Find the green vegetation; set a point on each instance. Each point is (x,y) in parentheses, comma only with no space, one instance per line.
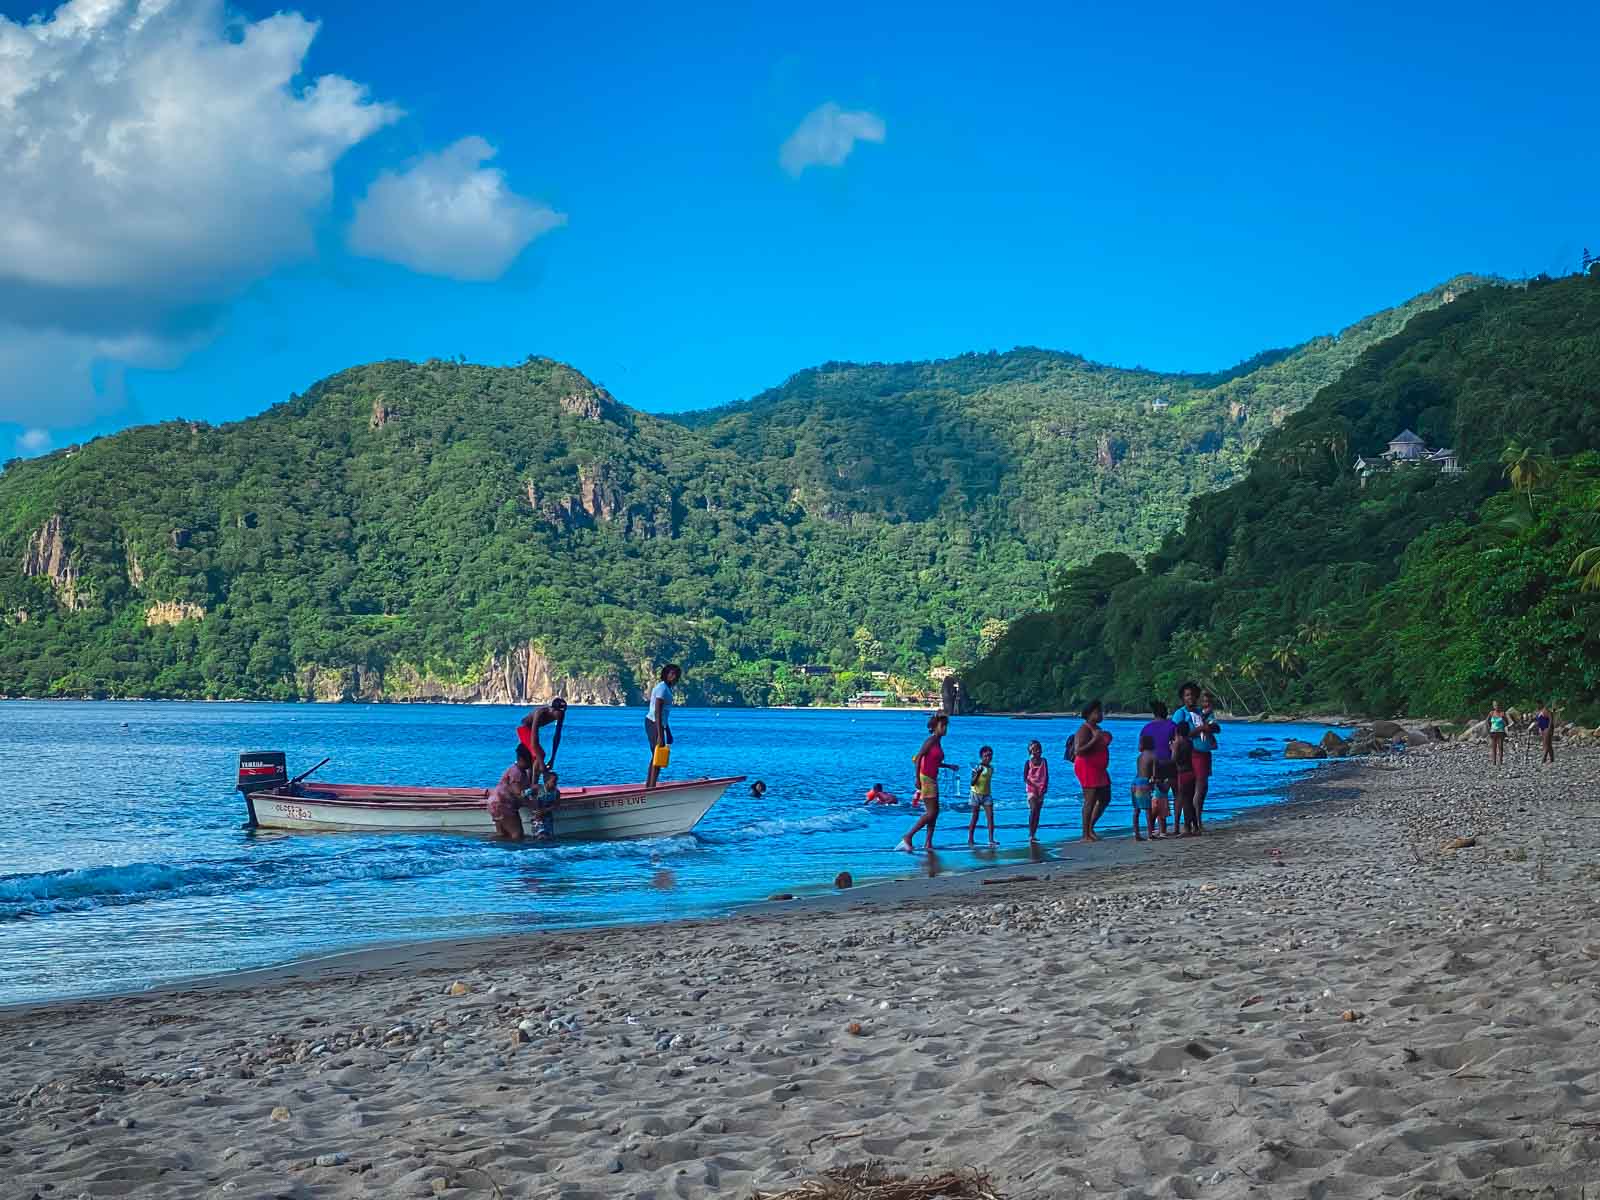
(411,530)
(1420,592)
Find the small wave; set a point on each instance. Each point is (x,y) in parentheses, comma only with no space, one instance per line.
(80,888)
(833,821)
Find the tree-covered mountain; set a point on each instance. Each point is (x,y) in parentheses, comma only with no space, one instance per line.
(1312,582)
(454,531)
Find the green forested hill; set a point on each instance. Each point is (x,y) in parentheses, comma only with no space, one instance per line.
(1417,592)
(445,530)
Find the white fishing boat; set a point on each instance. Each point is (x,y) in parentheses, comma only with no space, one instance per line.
(627,810)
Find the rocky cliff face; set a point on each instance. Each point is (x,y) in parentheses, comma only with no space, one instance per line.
(47,555)
(171,612)
(521,676)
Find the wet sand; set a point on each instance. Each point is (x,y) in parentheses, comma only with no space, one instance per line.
(1320,1000)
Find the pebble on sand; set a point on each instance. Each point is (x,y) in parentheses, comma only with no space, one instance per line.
(842,880)
(458,989)
(280,1113)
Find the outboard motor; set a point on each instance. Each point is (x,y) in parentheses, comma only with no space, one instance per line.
(258,771)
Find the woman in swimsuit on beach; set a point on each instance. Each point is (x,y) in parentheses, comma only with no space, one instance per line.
(1091,755)
(1497,735)
(927,764)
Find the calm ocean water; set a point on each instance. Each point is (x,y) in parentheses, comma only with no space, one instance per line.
(123,863)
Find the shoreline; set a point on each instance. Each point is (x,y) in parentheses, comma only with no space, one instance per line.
(1375,986)
(1069,858)
(1338,722)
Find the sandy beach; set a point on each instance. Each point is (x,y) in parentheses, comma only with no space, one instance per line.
(1323,1000)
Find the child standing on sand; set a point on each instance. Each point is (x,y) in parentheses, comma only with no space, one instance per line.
(1183,760)
(1036,779)
(982,779)
(1144,770)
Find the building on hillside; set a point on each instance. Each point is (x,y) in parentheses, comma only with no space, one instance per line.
(813,671)
(1406,446)
(1406,449)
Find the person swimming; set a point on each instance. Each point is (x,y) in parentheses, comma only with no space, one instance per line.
(876,795)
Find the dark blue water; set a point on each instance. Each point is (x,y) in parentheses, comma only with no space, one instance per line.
(123,863)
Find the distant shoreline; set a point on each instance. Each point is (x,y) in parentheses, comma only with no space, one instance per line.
(1333,721)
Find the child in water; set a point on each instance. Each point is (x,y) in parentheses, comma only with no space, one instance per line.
(544,804)
(982,778)
(1144,770)
(1036,779)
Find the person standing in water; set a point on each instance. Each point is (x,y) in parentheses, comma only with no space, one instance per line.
(657,728)
(1497,735)
(509,794)
(1091,755)
(927,764)
(982,797)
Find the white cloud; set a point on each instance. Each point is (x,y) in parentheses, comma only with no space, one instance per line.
(447,214)
(33,441)
(827,136)
(156,156)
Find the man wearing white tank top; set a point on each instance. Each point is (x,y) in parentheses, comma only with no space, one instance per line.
(657,727)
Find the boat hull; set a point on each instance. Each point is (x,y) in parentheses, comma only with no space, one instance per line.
(584,814)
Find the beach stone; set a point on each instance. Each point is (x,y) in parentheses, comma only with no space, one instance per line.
(1333,745)
(843,880)
(440,1186)
(1295,748)
(854,1029)
(781,896)
(280,1113)
(458,989)
(127,1122)
(332,1160)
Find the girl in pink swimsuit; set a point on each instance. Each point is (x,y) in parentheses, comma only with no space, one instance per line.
(928,762)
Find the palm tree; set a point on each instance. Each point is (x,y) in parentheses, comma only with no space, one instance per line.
(1250,668)
(1286,658)
(1220,672)
(1587,565)
(1525,466)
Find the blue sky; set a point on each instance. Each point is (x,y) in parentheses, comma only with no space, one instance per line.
(1159,185)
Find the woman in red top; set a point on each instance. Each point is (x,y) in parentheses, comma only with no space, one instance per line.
(928,763)
(1091,754)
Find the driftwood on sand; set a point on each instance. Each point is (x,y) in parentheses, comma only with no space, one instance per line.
(872,1181)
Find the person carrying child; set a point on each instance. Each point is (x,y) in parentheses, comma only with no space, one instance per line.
(1036,781)
(982,799)
(1198,713)
(1144,769)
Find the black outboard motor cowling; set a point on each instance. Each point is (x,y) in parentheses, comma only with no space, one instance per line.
(258,771)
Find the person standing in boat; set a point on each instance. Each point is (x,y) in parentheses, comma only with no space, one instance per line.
(554,713)
(513,790)
(657,728)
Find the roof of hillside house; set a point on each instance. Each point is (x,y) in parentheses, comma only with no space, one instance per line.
(1405,438)
(1443,453)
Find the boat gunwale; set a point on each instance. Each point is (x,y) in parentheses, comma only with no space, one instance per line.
(444,799)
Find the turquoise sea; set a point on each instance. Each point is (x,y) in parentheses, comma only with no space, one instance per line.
(123,863)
